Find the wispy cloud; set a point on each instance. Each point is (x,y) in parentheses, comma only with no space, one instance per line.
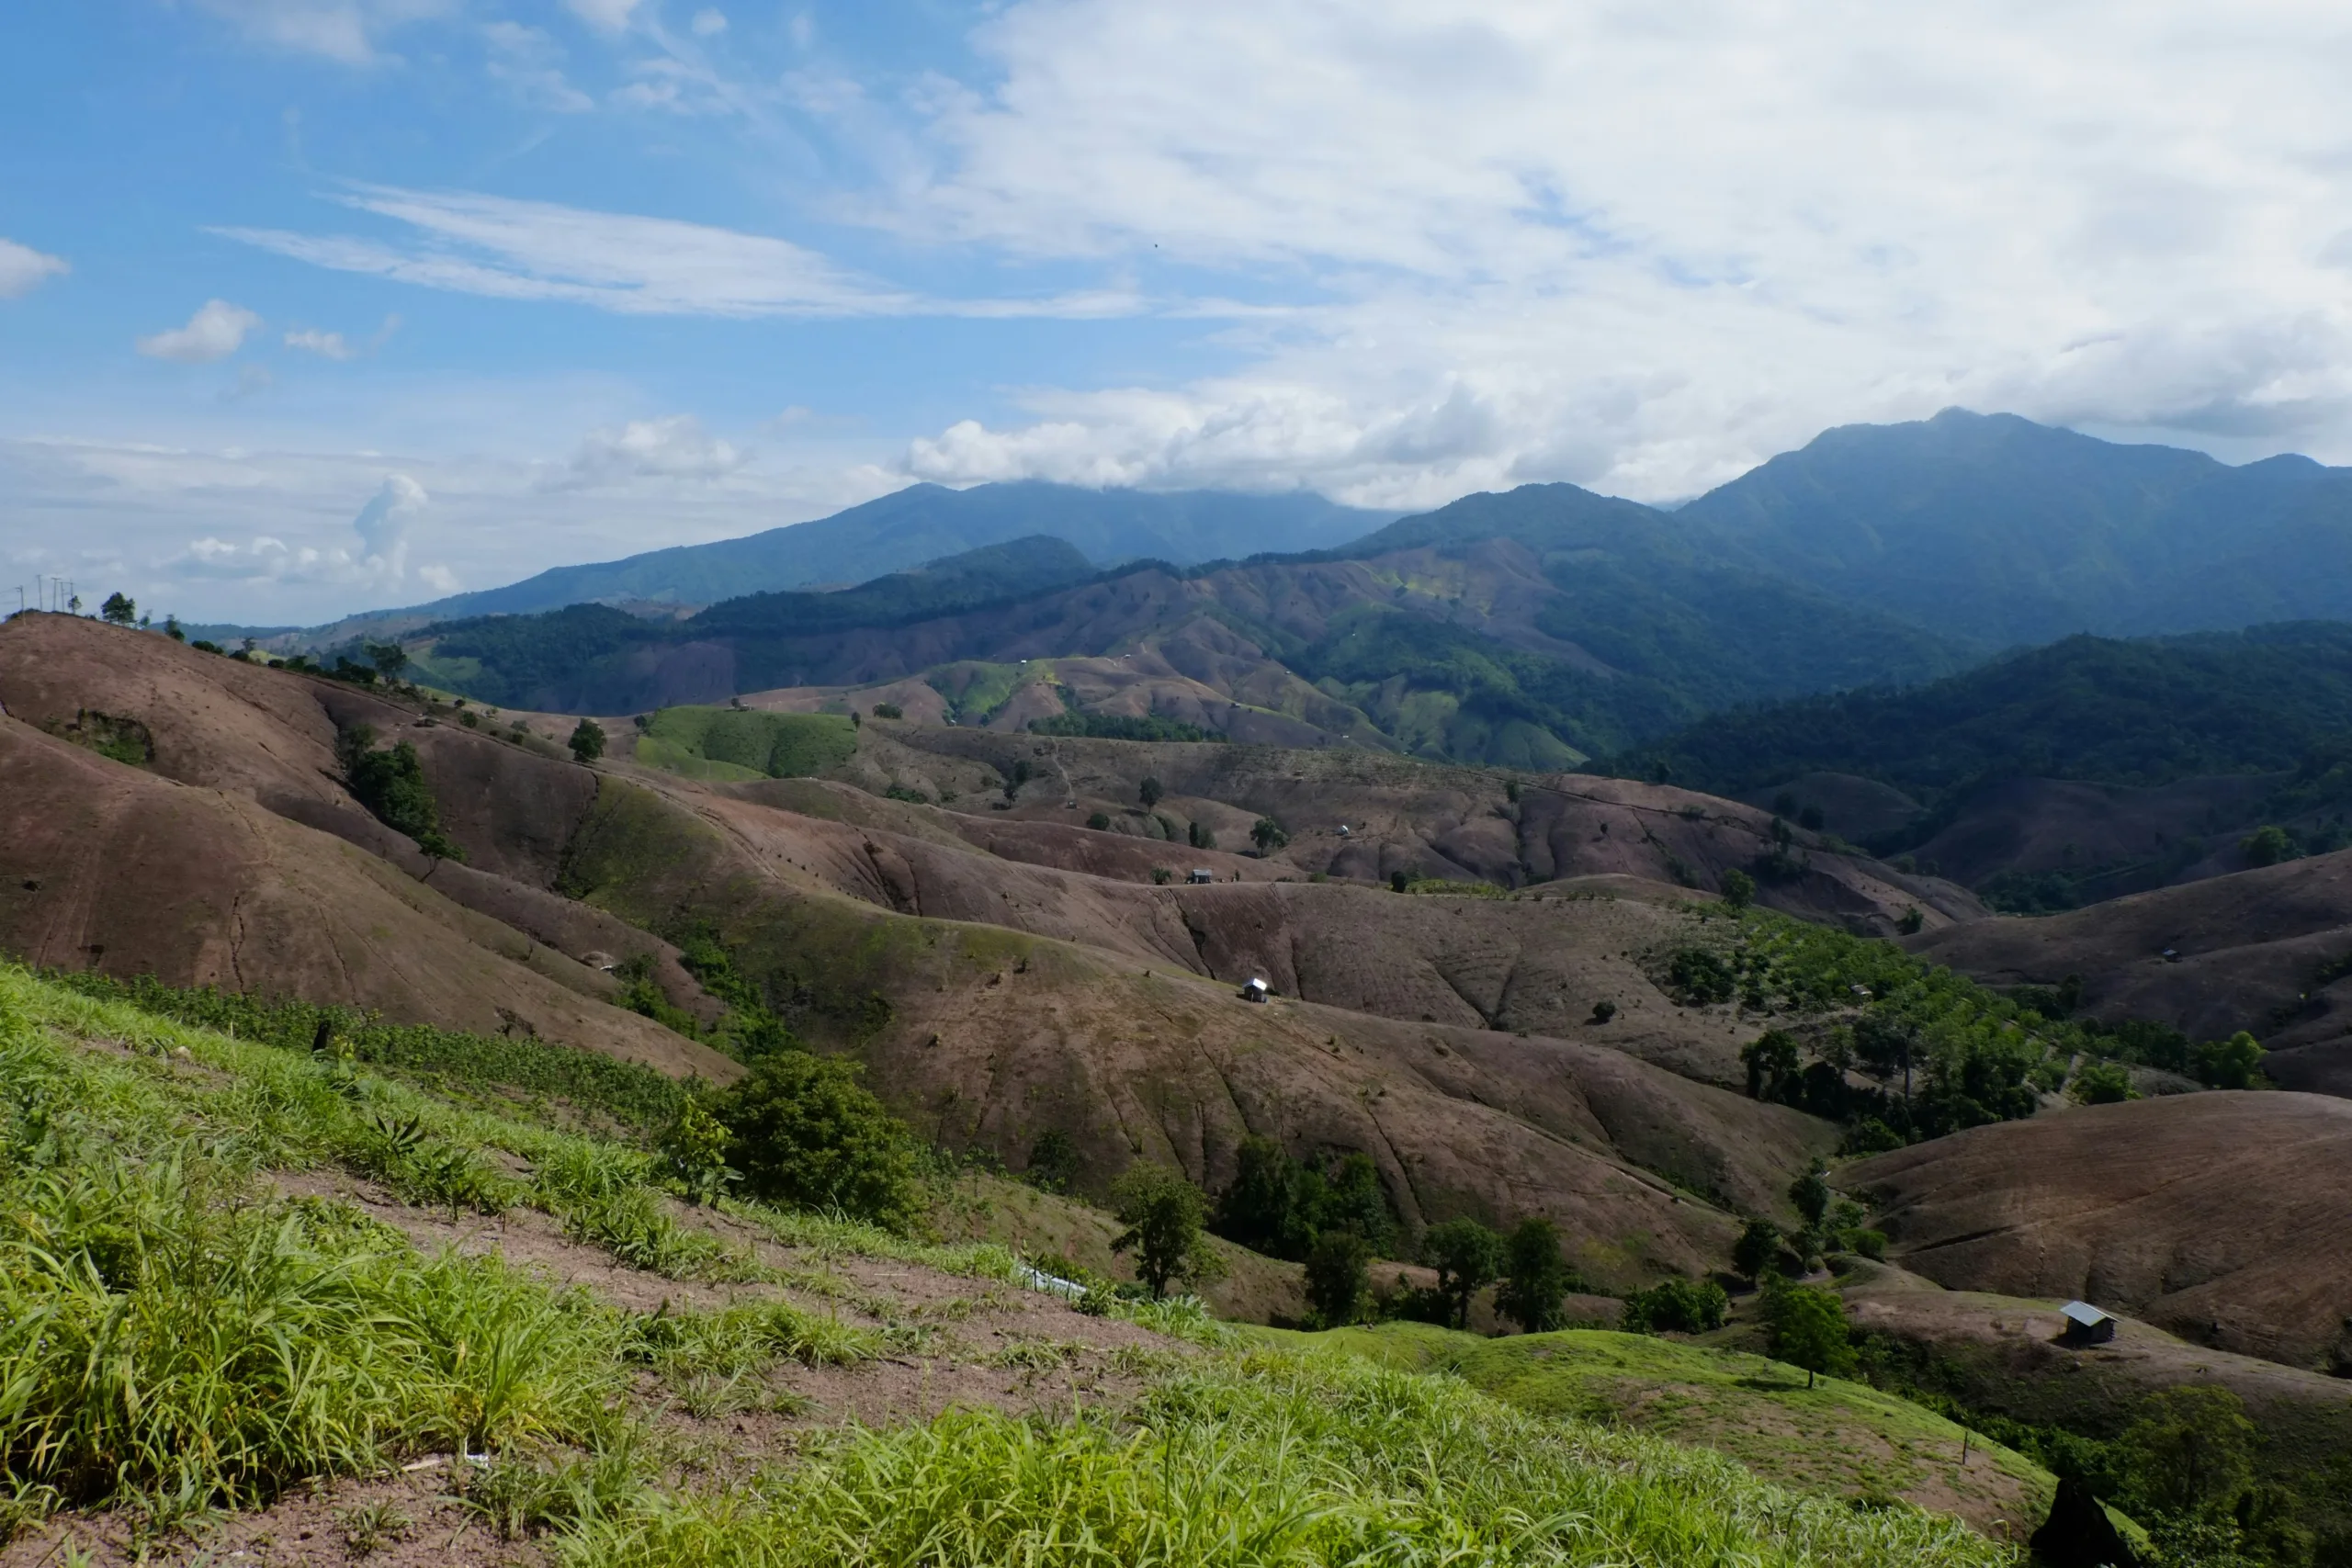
(217,331)
(534,249)
(348,31)
(24,269)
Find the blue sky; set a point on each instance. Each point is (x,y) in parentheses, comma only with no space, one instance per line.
(313,305)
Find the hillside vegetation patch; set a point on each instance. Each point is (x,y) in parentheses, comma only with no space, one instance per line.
(743,743)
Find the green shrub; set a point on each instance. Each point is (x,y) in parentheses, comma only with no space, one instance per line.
(390,784)
(1679,1306)
(805,1132)
(2102,1083)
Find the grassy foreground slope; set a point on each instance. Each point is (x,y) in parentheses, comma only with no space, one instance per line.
(1838,1437)
(191,1326)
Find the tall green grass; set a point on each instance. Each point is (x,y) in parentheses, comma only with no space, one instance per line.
(168,1327)
(635,1096)
(1266,1461)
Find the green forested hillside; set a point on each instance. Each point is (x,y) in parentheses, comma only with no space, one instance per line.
(1994,528)
(573,655)
(2131,712)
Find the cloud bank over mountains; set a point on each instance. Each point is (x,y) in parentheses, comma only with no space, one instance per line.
(1396,251)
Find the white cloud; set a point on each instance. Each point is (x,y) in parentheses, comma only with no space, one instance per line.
(24,269)
(710,21)
(326,345)
(382,525)
(348,31)
(605,15)
(531,65)
(671,448)
(1643,248)
(533,250)
(491,516)
(217,331)
(508,249)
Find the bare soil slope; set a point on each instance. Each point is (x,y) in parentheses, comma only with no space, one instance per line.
(2252,951)
(104,867)
(2223,1218)
(1416,817)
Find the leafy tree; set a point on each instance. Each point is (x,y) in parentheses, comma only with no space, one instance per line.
(1535,1276)
(587,741)
(889,710)
(1676,1306)
(1808,1328)
(1201,838)
(1351,1197)
(1260,1209)
(1810,1193)
(1267,834)
(1150,793)
(1603,1011)
(2235,1063)
(1162,1212)
(120,610)
(1911,921)
(1052,1162)
(2102,1083)
(172,629)
(1771,1062)
(1100,822)
(804,1131)
(1739,888)
(2190,1451)
(1467,1257)
(1757,1249)
(1398,881)
(2267,846)
(389,658)
(1337,1277)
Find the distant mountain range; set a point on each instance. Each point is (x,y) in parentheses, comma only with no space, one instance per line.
(899,530)
(1539,625)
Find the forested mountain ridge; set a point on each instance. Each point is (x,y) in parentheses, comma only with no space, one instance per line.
(1477,647)
(2143,711)
(1994,529)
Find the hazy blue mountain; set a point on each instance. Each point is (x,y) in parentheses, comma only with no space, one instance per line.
(1994,528)
(927,523)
